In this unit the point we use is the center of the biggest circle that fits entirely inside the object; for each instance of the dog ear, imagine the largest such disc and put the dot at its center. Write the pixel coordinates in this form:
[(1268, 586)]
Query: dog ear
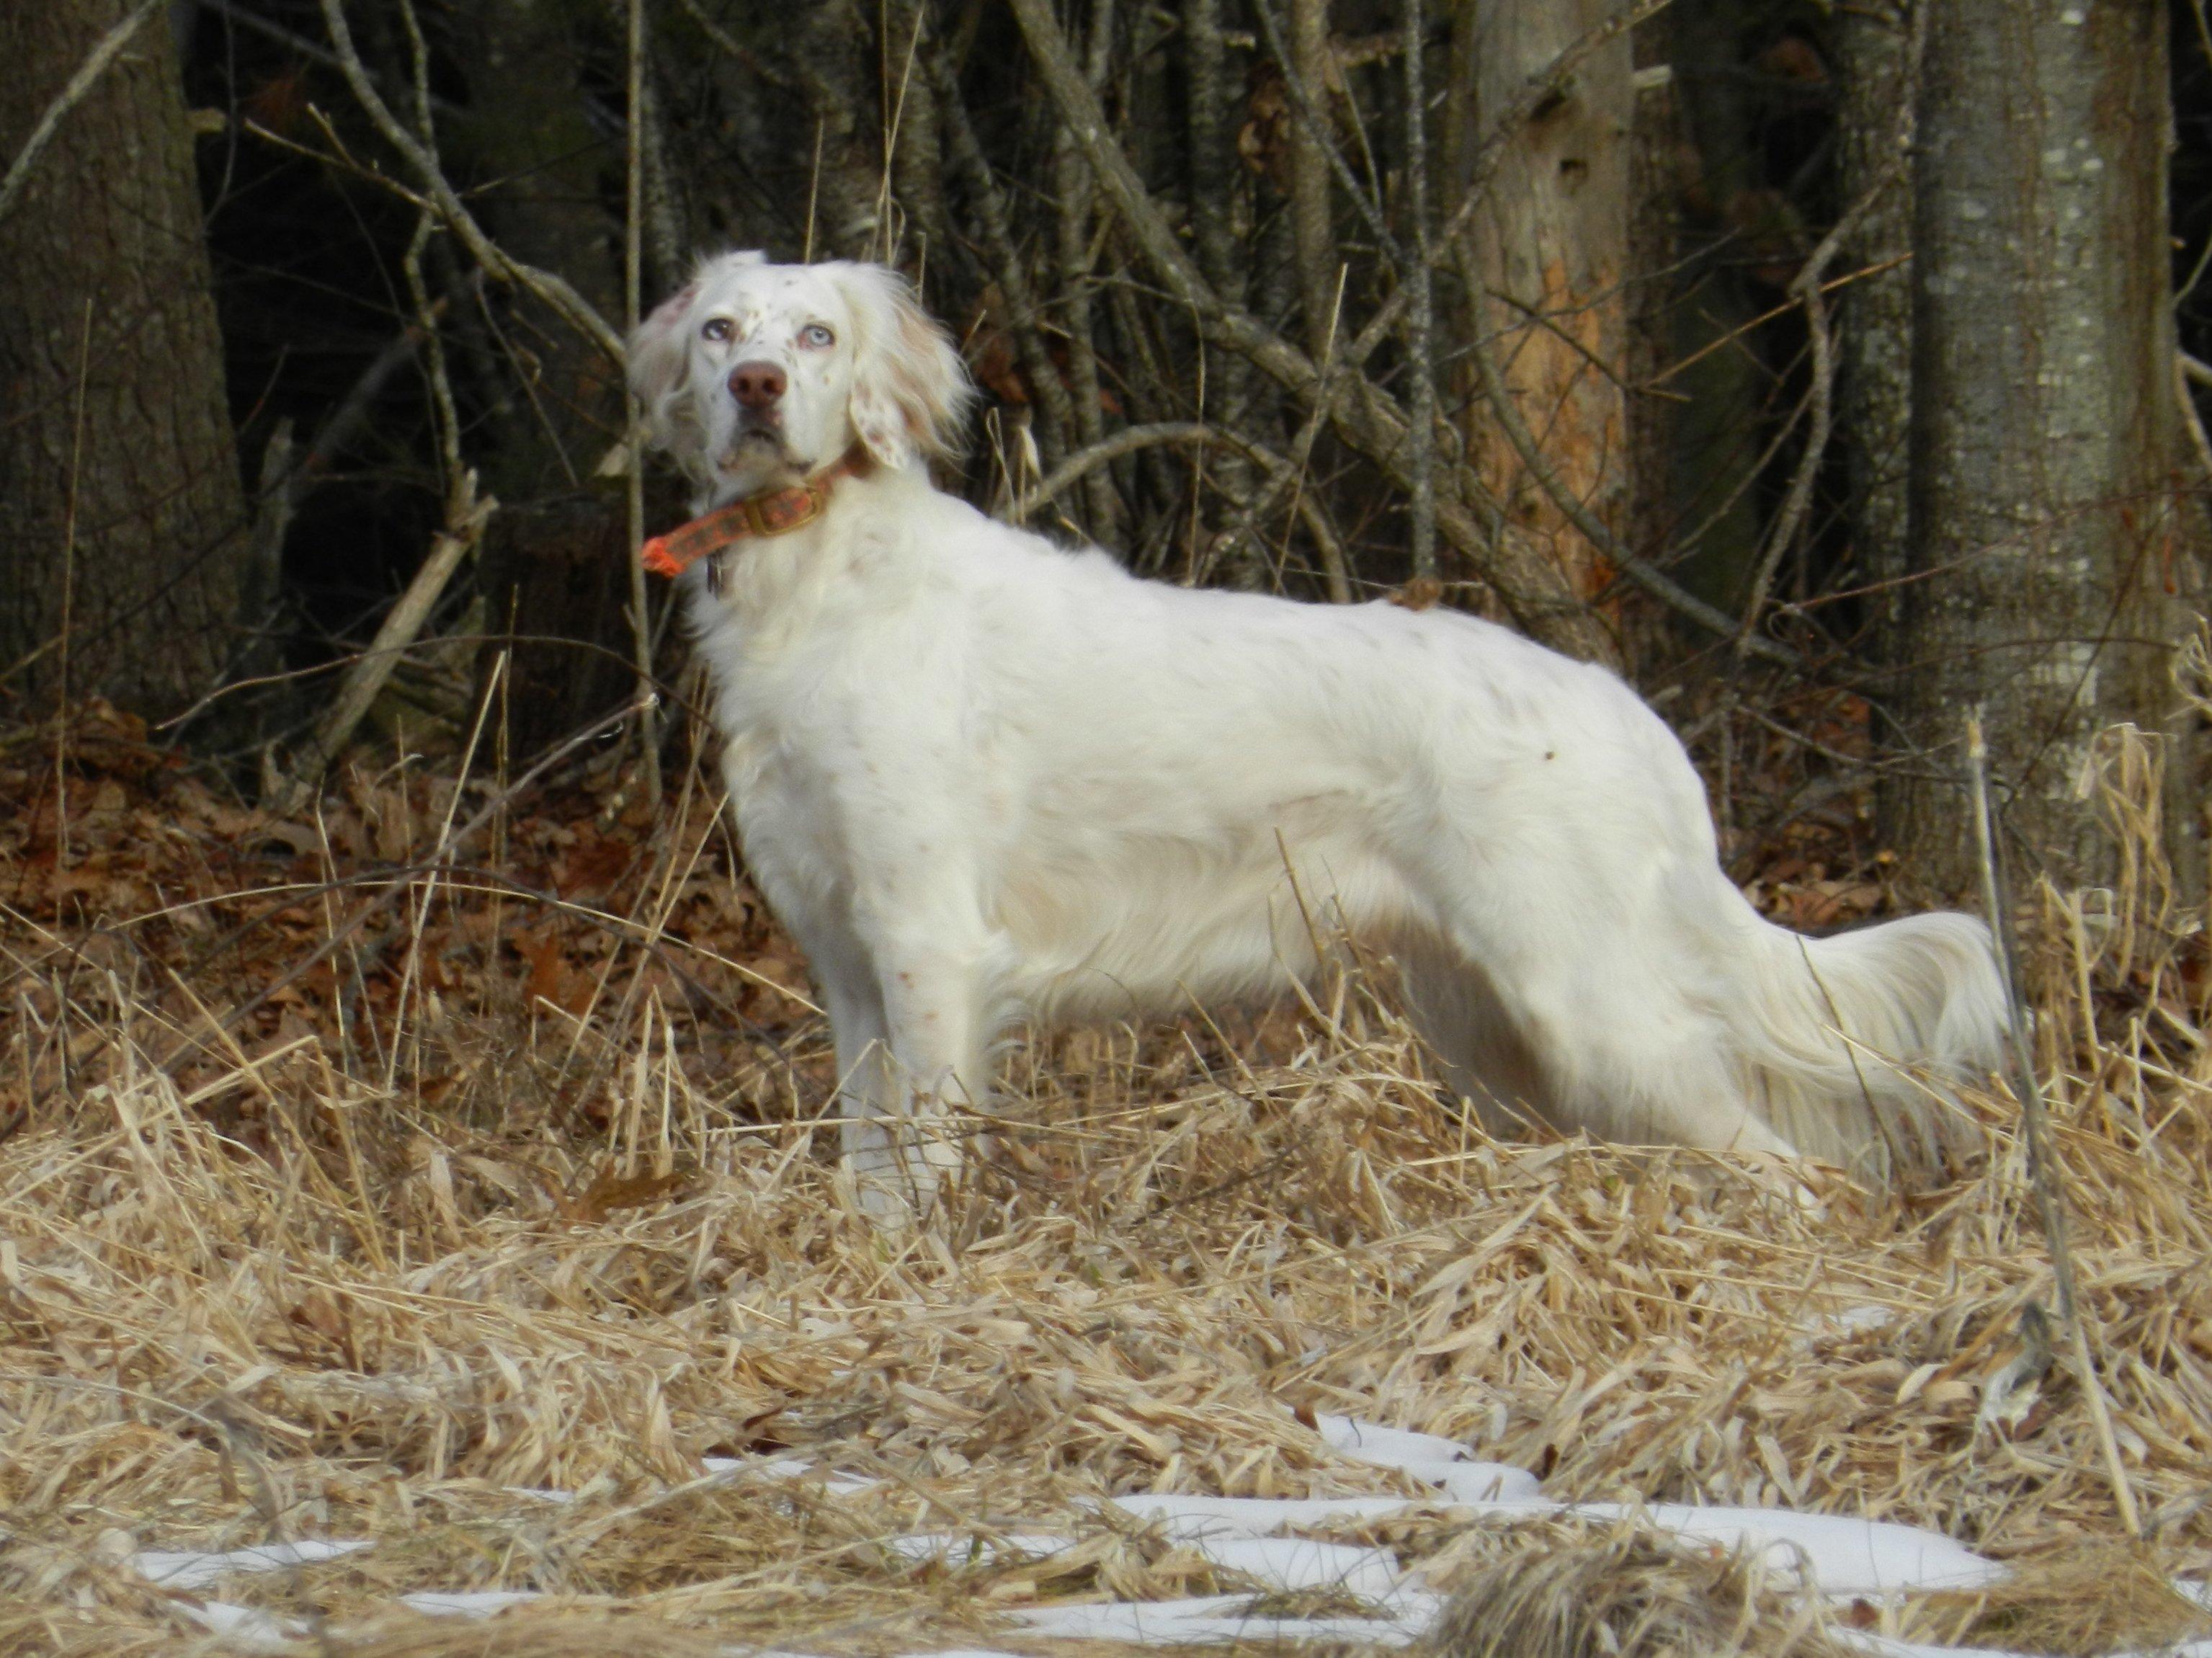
[(659, 356), (910, 390)]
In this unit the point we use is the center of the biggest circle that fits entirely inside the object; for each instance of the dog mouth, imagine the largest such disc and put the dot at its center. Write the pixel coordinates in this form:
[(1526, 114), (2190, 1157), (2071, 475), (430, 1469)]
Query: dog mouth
[(754, 443)]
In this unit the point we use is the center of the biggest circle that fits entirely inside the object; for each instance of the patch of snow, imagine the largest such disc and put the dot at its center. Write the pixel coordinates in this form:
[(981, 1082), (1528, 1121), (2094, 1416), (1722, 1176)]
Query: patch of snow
[(1485, 1482), (1441, 1461), (466, 1603), (1835, 1553), (197, 1569), (1295, 1563), (1888, 1646), (1206, 1620), (1389, 1448), (248, 1628), (785, 1467), (1185, 1518)]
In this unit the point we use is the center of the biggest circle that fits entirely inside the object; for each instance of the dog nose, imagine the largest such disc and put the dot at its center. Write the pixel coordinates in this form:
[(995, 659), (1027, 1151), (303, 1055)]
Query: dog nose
[(757, 385)]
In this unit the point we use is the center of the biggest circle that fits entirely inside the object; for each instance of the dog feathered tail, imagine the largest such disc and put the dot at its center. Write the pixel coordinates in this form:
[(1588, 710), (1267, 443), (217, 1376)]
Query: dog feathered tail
[(1849, 1040)]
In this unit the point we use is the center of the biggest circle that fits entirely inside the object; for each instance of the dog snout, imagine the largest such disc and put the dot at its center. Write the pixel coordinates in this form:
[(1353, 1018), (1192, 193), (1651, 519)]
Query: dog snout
[(758, 386)]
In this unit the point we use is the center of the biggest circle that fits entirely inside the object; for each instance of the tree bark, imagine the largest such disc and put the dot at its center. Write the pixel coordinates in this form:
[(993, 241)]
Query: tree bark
[(1550, 244), (1312, 228), (526, 127), (117, 457), (2051, 563), (1873, 134)]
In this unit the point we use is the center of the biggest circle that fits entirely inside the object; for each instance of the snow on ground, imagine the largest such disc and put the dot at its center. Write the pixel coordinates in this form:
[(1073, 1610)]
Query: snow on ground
[(1256, 1537), (185, 1569)]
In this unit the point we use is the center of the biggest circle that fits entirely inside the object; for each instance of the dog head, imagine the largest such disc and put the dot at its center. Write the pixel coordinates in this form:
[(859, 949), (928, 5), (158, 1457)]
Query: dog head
[(757, 375)]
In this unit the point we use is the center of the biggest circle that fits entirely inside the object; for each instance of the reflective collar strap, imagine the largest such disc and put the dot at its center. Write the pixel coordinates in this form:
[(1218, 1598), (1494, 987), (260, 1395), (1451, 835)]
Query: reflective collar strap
[(777, 512)]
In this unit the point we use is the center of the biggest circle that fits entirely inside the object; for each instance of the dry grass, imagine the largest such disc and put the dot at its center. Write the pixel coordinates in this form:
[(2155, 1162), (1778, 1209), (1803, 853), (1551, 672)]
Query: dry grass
[(396, 1260), (1623, 1593), (2096, 1598)]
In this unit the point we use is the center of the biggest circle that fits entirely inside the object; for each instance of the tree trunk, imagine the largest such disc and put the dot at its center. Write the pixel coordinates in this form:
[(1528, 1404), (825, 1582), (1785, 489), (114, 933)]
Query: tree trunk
[(117, 463), (2051, 562), (1313, 230), (526, 127), (1874, 132), (1551, 245)]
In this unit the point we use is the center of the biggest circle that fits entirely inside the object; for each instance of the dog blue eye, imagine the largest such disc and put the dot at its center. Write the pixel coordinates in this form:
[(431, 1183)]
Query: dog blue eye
[(814, 335)]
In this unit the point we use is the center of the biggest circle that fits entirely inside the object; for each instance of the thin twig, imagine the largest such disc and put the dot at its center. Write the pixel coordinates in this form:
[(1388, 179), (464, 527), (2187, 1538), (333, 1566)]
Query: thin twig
[(1320, 272), (572, 307), (80, 85), (1127, 441), (1805, 289), (1078, 250), (1317, 134), (2185, 369), (466, 515), (1370, 420), (2042, 1163), (401, 881), (68, 589), (1022, 310), (1641, 571), (1282, 476), (1421, 321), (641, 613)]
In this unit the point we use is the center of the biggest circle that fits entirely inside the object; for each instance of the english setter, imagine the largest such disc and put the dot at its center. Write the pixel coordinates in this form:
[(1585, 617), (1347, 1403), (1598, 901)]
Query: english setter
[(983, 778)]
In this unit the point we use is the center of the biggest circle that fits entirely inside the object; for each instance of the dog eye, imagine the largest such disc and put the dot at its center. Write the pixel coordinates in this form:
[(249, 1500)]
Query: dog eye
[(717, 329), (816, 337)]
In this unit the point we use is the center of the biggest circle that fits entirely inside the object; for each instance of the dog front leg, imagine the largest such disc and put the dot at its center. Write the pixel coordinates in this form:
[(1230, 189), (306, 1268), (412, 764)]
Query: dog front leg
[(932, 1008), (870, 1093)]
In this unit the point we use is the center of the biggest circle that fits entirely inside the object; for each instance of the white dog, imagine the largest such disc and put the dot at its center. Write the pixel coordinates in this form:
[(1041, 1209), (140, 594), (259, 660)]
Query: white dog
[(981, 777)]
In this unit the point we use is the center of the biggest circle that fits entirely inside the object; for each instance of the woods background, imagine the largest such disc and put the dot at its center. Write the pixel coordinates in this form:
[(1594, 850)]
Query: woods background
[(1827, 369), (414, 1130)]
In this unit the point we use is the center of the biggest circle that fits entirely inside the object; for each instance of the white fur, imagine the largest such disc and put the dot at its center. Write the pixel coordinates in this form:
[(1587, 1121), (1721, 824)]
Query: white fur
[(981, 777)]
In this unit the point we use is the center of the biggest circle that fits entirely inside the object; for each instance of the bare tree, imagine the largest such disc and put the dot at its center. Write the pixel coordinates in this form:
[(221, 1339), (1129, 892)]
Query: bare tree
[(121, 549), (1874, 132), (1550, 247), (2051, 567)]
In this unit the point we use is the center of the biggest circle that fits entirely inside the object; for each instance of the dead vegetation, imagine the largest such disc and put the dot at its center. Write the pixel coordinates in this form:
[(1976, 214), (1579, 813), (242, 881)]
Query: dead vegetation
[(477, 1235), (1625, 1593)]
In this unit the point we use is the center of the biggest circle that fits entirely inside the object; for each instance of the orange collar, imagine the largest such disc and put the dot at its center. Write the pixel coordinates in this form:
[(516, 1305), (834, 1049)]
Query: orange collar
[(778, 512)]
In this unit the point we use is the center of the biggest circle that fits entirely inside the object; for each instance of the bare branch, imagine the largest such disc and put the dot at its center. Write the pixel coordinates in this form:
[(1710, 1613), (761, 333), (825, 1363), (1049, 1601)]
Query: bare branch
[(1805, 289), (1078, 248), (1282, 475), (1005, 260), (1313, 235), (109, 48), (1312, 49), (1645, 575), (641, 612), (1533, 591), (365, 681), (1420, 346), (555, 291)]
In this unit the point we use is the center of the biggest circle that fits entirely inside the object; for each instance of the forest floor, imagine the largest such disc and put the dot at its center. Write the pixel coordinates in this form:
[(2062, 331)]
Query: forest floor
[(416, 1237)]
